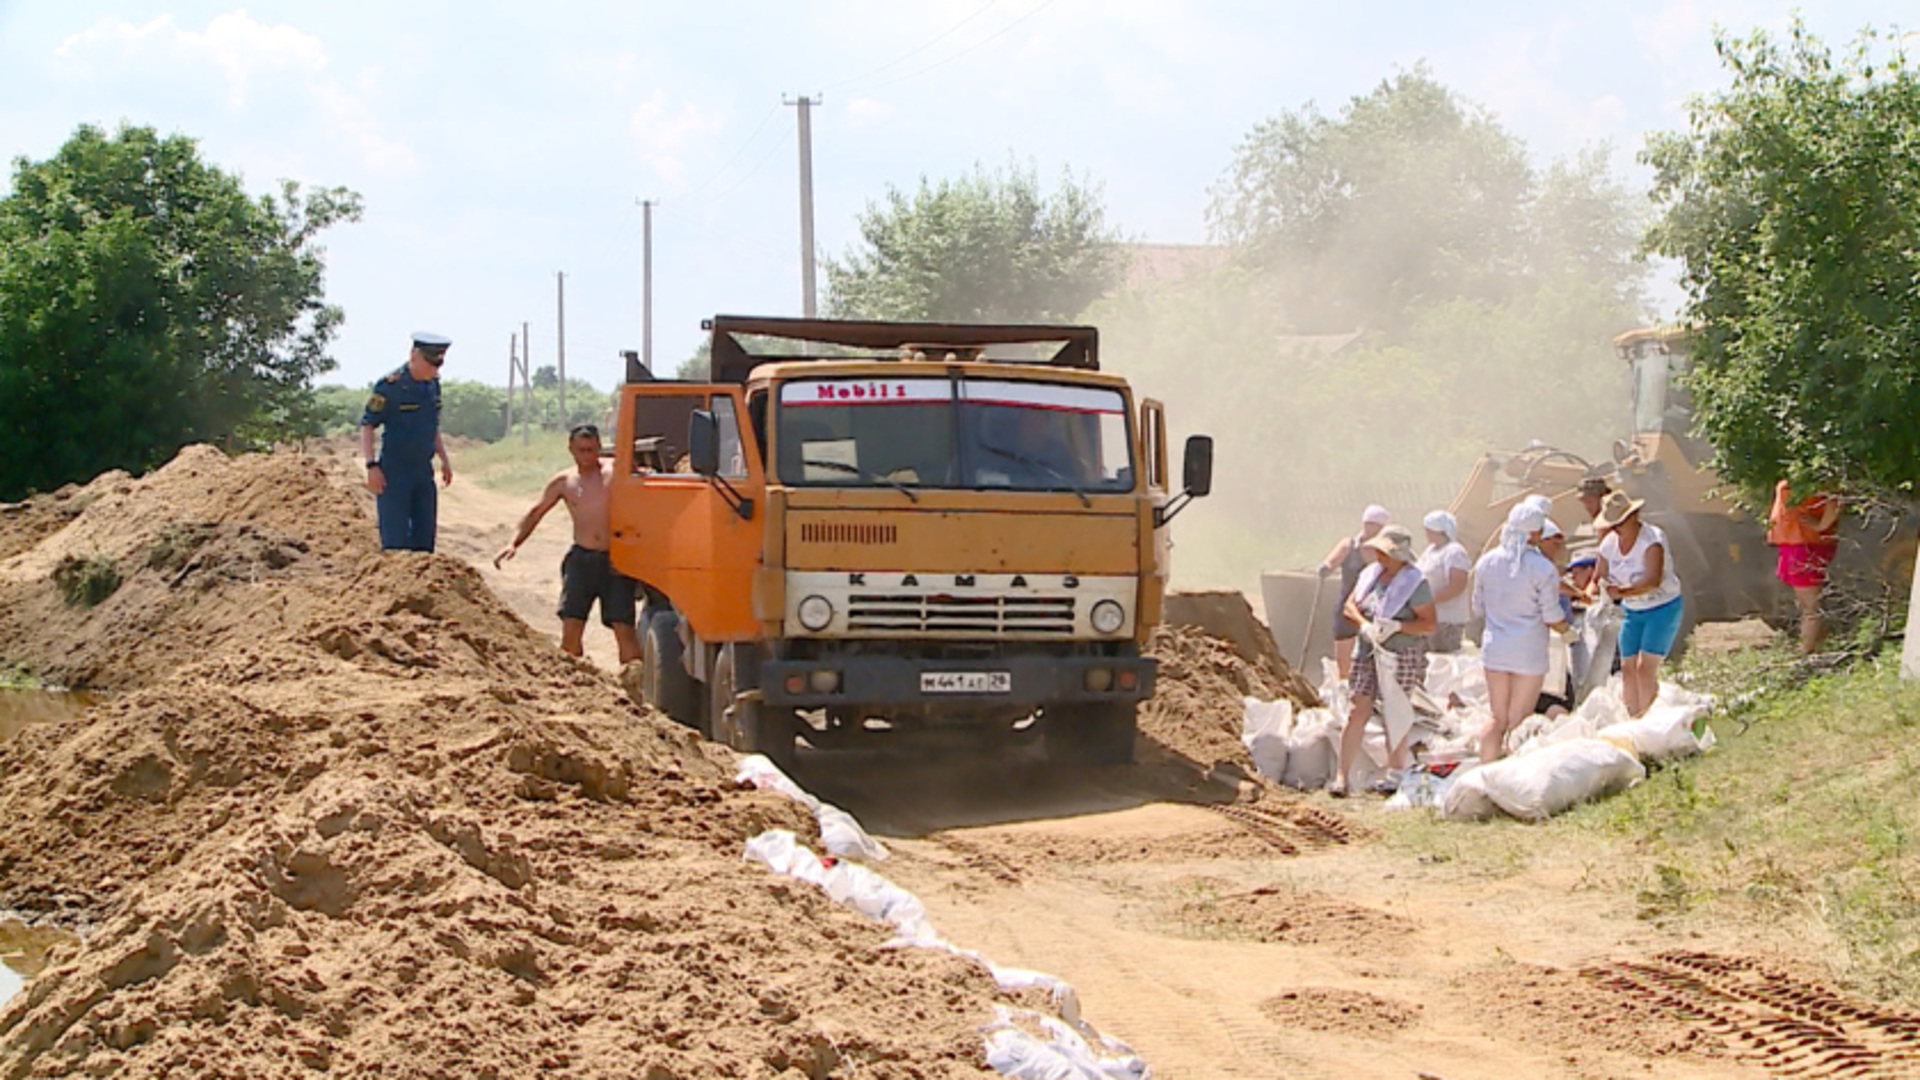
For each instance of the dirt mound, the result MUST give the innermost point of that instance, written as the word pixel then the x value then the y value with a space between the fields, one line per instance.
pixel 351 815
pixel 200 553
pixel 1197 702
pixel 1350 1012
pixel 1286 916
pixel 1563 1009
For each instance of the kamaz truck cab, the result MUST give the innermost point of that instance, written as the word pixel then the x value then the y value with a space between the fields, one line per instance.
pixel 865 530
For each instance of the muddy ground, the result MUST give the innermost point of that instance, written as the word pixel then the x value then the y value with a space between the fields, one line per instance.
pixel 352 815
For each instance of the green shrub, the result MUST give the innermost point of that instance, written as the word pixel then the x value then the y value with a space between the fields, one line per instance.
pixel 86 582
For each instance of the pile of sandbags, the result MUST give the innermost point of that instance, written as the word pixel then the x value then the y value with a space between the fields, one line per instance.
pixel 1552 764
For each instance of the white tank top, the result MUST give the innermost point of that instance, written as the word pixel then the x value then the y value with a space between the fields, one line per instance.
pixel 1629 568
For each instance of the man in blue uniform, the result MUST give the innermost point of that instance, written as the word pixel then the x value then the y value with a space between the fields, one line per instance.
pixel 407 403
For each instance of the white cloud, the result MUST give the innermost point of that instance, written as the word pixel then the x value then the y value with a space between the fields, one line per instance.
pixel 245 53
pixel 662 135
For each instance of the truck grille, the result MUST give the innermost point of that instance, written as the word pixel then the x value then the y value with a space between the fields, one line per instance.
pixel 821 532
pixel 969 616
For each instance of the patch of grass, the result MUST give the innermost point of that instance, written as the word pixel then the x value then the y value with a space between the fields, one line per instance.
pixel 175 545
pixel 510 467
pixel 19 678
pixel 1803 811
pixel 85 582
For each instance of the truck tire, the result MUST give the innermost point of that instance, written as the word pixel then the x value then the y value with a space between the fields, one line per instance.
pixel 748 725
pixel 664 681
pixel 1092 734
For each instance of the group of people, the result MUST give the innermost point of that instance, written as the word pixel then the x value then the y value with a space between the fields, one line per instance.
pixel 1398 606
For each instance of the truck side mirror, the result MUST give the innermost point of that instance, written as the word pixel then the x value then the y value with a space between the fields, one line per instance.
pixel 703 443
pixel 703 457
pixel 1197 476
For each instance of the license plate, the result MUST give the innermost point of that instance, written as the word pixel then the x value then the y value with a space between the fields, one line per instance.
pixel 966 682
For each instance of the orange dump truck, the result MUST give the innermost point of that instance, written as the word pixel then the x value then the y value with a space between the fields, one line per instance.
pixel 867 530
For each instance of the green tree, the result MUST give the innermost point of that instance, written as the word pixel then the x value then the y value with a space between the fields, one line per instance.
pixel 1410 196
pixel 986 247
pixel 146 301
pixel 472 410
pixel 1790 203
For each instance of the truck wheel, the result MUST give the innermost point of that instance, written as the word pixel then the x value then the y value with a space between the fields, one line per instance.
pixel 1094 734
pixel 747 725
pixel 664 681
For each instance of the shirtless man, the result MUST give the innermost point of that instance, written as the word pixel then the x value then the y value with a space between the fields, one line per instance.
pixel 587 573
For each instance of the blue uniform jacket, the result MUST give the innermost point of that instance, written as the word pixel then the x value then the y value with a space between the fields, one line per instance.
pixel 409 409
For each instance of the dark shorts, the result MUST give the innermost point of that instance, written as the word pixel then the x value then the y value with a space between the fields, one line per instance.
pixel 587 576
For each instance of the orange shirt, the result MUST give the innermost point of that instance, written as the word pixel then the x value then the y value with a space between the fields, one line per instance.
pixel 1797 523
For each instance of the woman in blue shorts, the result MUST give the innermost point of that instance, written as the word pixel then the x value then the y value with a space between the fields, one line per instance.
pixel 1639 575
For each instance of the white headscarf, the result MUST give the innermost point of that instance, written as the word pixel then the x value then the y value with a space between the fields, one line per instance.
pixel 1523 521
pixel 1550 530
pixel 1375 515
pixel 1539 502
pixel 1442 522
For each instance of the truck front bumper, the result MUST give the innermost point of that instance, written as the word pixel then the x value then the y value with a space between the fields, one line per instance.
pixel 874 681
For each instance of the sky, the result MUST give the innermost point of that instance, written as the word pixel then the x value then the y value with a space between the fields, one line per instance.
pixel 497 145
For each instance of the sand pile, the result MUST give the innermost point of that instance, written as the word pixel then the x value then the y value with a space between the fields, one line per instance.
pixel 1197 703
pixel 352 815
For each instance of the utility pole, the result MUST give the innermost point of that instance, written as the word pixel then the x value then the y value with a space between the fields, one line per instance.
pixel 560 329
pixel 646 281
pixel 513 364
pixel 805 105
pixel 526 384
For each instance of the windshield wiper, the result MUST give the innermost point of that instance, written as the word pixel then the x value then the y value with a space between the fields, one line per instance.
pixel 1037 464
pixel 856 470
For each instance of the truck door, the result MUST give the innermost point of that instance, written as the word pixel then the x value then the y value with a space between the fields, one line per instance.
pixel 679 533
pixel 1153 461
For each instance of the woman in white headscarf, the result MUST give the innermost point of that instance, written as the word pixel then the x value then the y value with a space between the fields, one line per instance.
pixel 1517 590
pixel 1446 566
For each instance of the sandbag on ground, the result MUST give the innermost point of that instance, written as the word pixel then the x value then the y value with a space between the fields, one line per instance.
pixel 1547 781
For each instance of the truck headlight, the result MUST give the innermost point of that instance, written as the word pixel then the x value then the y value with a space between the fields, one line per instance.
pixel 1107 617
pixel 816 613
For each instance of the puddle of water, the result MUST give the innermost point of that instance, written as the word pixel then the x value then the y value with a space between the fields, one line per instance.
pixel 23 953
pixel 20 709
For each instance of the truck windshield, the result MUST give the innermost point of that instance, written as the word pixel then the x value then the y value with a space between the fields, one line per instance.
pixel 980 434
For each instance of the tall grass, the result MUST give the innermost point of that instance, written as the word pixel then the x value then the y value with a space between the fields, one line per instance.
pixel 511 466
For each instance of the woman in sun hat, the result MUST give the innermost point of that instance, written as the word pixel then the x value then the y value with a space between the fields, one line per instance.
pixel 1349 558
pixel 1637 573
pixel 1393 605
pixel 1446 566
pixel 1516 589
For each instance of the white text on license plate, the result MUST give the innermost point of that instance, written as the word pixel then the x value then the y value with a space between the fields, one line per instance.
pixel 965 682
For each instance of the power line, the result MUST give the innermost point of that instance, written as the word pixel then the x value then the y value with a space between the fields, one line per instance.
pixel 758 164
pixel 737 151
pixel 917 72
pixel 910 53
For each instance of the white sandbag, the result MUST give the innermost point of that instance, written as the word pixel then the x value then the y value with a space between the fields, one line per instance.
pixel 1459 676
pixel 1664 733
pixel 1396 710
pixel 840 832
pixel 1313 750
pixel 847 883
pixel 1064 1053
pixel 1604 706
pixel 1265 730
pixel 1600 633
pixel 1537 785
pixel 1466 798
pixel 1558 730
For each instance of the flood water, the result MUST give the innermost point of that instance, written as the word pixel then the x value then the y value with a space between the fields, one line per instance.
pixel 23 948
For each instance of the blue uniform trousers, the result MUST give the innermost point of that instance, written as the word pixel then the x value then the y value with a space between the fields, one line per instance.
pixel 408 508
